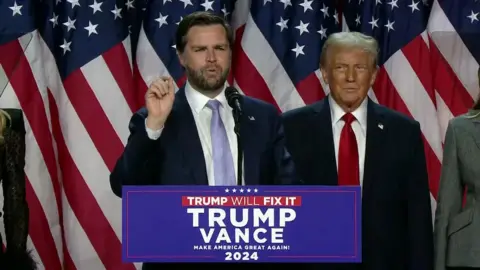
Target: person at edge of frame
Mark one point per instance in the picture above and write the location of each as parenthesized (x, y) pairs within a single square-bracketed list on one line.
[(457, 225)]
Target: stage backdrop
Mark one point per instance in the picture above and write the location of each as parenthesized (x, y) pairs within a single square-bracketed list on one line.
[(80, 68)]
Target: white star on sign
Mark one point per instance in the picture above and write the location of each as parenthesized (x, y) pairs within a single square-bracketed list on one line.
[(16, 9)]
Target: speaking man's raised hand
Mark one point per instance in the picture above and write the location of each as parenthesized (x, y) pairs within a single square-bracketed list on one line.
[(159, 101)]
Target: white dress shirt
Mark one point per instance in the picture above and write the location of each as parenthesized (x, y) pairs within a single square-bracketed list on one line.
[(202, 116), (359, 127)]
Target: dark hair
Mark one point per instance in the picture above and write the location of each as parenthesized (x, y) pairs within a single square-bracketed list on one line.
[(200, 18)]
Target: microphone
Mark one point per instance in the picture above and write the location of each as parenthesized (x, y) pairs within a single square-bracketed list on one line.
[(234, 99)]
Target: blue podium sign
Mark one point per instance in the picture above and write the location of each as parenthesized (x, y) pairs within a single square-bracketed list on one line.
[(241, 224)]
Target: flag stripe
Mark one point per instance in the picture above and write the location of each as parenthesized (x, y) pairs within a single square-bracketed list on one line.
[(101, 131), (38, 228), (252, 82), (425, 114), (99, 77), (310, 89), (49, 149), (417, 54), (387, 94), (266, 63), (448, 85), (148, 62), (74, 224), (80, 197), (118, 62), (77, 170), (452, 48), (140, 85)]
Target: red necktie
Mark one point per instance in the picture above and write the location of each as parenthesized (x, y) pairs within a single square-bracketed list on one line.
[(348, 171)]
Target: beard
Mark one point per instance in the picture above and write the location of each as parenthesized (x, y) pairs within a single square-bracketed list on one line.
[(205, 82)]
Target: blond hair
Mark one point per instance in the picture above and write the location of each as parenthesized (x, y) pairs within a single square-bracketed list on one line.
[(350, 40), (5, 120)]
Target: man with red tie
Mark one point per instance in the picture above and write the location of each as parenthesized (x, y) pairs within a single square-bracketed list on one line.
[(347, 139)]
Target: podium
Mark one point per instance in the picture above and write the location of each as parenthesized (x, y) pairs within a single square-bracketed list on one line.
[(247, 224)]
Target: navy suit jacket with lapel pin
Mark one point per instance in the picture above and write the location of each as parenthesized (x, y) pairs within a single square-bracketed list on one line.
[(397, 232), (176, 158)]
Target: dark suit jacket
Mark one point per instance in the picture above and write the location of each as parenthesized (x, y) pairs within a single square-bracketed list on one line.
[(396, 211), (176, 158)]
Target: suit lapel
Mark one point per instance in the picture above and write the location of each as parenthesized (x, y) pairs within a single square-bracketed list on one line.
[(323, 147), (476, 131), (189, 139), (249, 144), (374, 144)]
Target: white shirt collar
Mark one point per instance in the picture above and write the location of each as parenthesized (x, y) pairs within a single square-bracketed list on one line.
[(198, 100), (360, 113)]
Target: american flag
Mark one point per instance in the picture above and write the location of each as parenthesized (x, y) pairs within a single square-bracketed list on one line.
[(80, 68)]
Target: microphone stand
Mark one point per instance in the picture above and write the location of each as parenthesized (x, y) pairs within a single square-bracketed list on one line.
[(237, 116)]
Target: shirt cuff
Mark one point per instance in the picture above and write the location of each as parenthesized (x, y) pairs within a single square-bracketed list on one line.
[(153, 134)]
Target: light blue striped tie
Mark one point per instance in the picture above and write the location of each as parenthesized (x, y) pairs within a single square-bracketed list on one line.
[(224, 171)]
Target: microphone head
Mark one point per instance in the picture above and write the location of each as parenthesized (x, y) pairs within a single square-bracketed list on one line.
[(232, 94)]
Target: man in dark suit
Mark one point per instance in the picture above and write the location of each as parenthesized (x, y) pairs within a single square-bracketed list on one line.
[(187, 138), (347, 139)]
